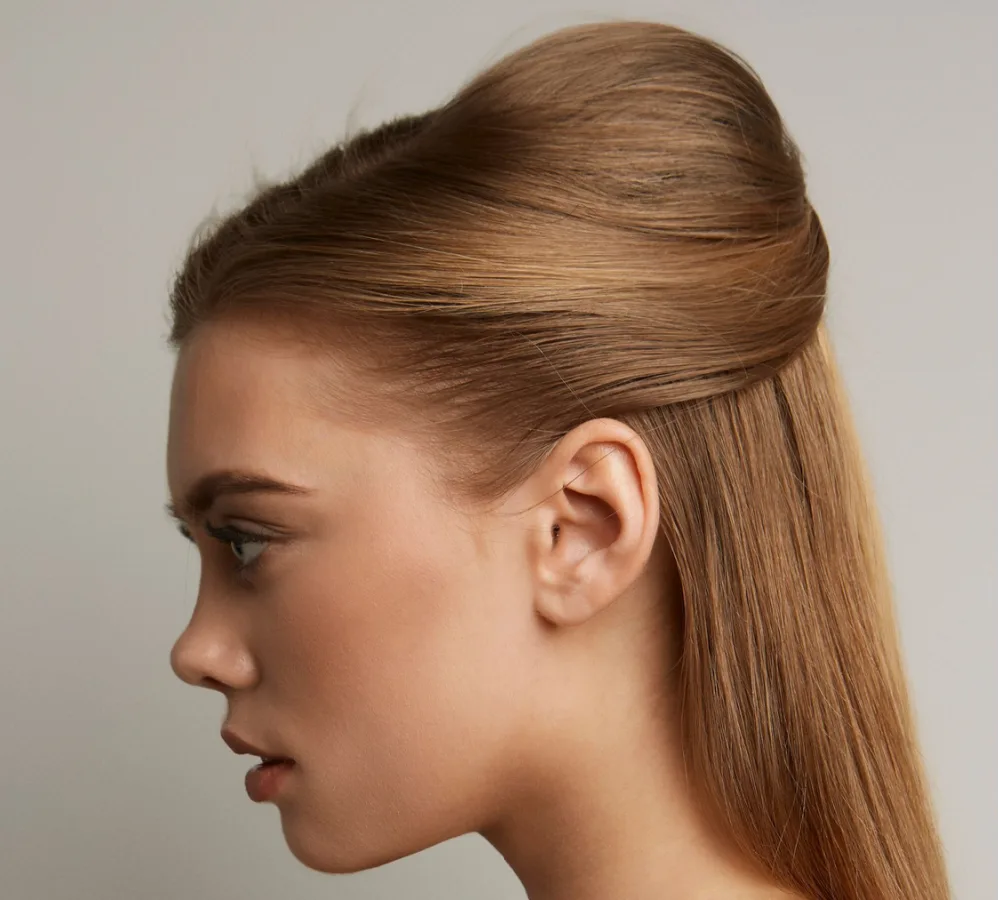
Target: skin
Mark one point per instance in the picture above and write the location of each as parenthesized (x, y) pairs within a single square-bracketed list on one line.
[(436, 671)]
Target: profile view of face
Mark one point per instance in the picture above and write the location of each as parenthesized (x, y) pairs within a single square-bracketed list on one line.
[(360, 626)]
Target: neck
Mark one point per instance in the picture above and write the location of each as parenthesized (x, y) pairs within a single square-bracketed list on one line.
[(609, 813)]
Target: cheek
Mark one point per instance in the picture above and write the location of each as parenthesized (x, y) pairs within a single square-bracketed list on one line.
[(404, 673)]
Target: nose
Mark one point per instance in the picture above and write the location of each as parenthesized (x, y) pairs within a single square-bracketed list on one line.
[(208, 655)]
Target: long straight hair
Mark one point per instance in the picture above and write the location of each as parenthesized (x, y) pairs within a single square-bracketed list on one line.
[(613, 221)]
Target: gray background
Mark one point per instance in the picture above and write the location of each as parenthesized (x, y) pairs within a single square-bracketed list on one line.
[(124, 123)]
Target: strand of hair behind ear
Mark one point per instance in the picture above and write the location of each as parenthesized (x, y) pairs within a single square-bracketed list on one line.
[(795, 710)]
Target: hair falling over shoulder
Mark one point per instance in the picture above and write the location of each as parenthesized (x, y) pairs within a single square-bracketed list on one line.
[(613, 221)]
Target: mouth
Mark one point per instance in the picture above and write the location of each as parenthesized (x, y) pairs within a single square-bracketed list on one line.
[(243, 747), (266, 780)]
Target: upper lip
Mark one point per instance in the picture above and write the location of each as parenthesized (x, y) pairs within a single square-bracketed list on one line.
[(238, 745)]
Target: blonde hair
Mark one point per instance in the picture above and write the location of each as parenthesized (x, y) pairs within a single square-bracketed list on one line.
[(613, 221)]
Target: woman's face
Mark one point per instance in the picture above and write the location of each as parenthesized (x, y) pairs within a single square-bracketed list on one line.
[(376, 637)]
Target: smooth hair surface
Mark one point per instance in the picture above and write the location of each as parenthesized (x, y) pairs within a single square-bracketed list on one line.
[(613, 221)]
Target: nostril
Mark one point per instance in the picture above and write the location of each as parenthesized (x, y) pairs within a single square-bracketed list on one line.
[(211, 683)]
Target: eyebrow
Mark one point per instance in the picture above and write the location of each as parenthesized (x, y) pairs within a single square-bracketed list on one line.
[(207, 489)]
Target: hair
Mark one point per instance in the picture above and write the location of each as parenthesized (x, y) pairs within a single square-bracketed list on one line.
[(612, 221)]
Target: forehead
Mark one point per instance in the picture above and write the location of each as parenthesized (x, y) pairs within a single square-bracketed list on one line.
[(241, 401)]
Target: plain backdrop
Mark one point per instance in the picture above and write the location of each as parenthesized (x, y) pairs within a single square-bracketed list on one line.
[(123, 125)]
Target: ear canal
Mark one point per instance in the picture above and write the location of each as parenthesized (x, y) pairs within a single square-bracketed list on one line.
[(555, 534)]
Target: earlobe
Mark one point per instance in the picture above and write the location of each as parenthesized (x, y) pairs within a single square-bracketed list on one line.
[(601, 524)]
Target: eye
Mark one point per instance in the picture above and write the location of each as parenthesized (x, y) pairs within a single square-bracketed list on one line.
[(247, 551), (246, 547)]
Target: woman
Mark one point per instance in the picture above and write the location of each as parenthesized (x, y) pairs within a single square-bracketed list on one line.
[(529, 502)]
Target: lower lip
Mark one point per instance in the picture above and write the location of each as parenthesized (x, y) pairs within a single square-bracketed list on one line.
[(264, 782)]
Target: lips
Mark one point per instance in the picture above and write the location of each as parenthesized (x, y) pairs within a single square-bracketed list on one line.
[(242, 746), (266, 780)]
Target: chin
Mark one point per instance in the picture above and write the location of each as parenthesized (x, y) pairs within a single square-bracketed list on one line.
[(333, 854)]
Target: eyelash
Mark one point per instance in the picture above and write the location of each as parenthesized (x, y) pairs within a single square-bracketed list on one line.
[(227, 534)]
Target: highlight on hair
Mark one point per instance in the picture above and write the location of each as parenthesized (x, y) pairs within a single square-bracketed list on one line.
[(613, 221)]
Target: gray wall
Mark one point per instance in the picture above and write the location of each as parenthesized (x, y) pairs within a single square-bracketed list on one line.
[(123, 123)]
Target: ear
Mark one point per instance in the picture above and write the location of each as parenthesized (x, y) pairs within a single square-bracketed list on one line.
[(596, 527)]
